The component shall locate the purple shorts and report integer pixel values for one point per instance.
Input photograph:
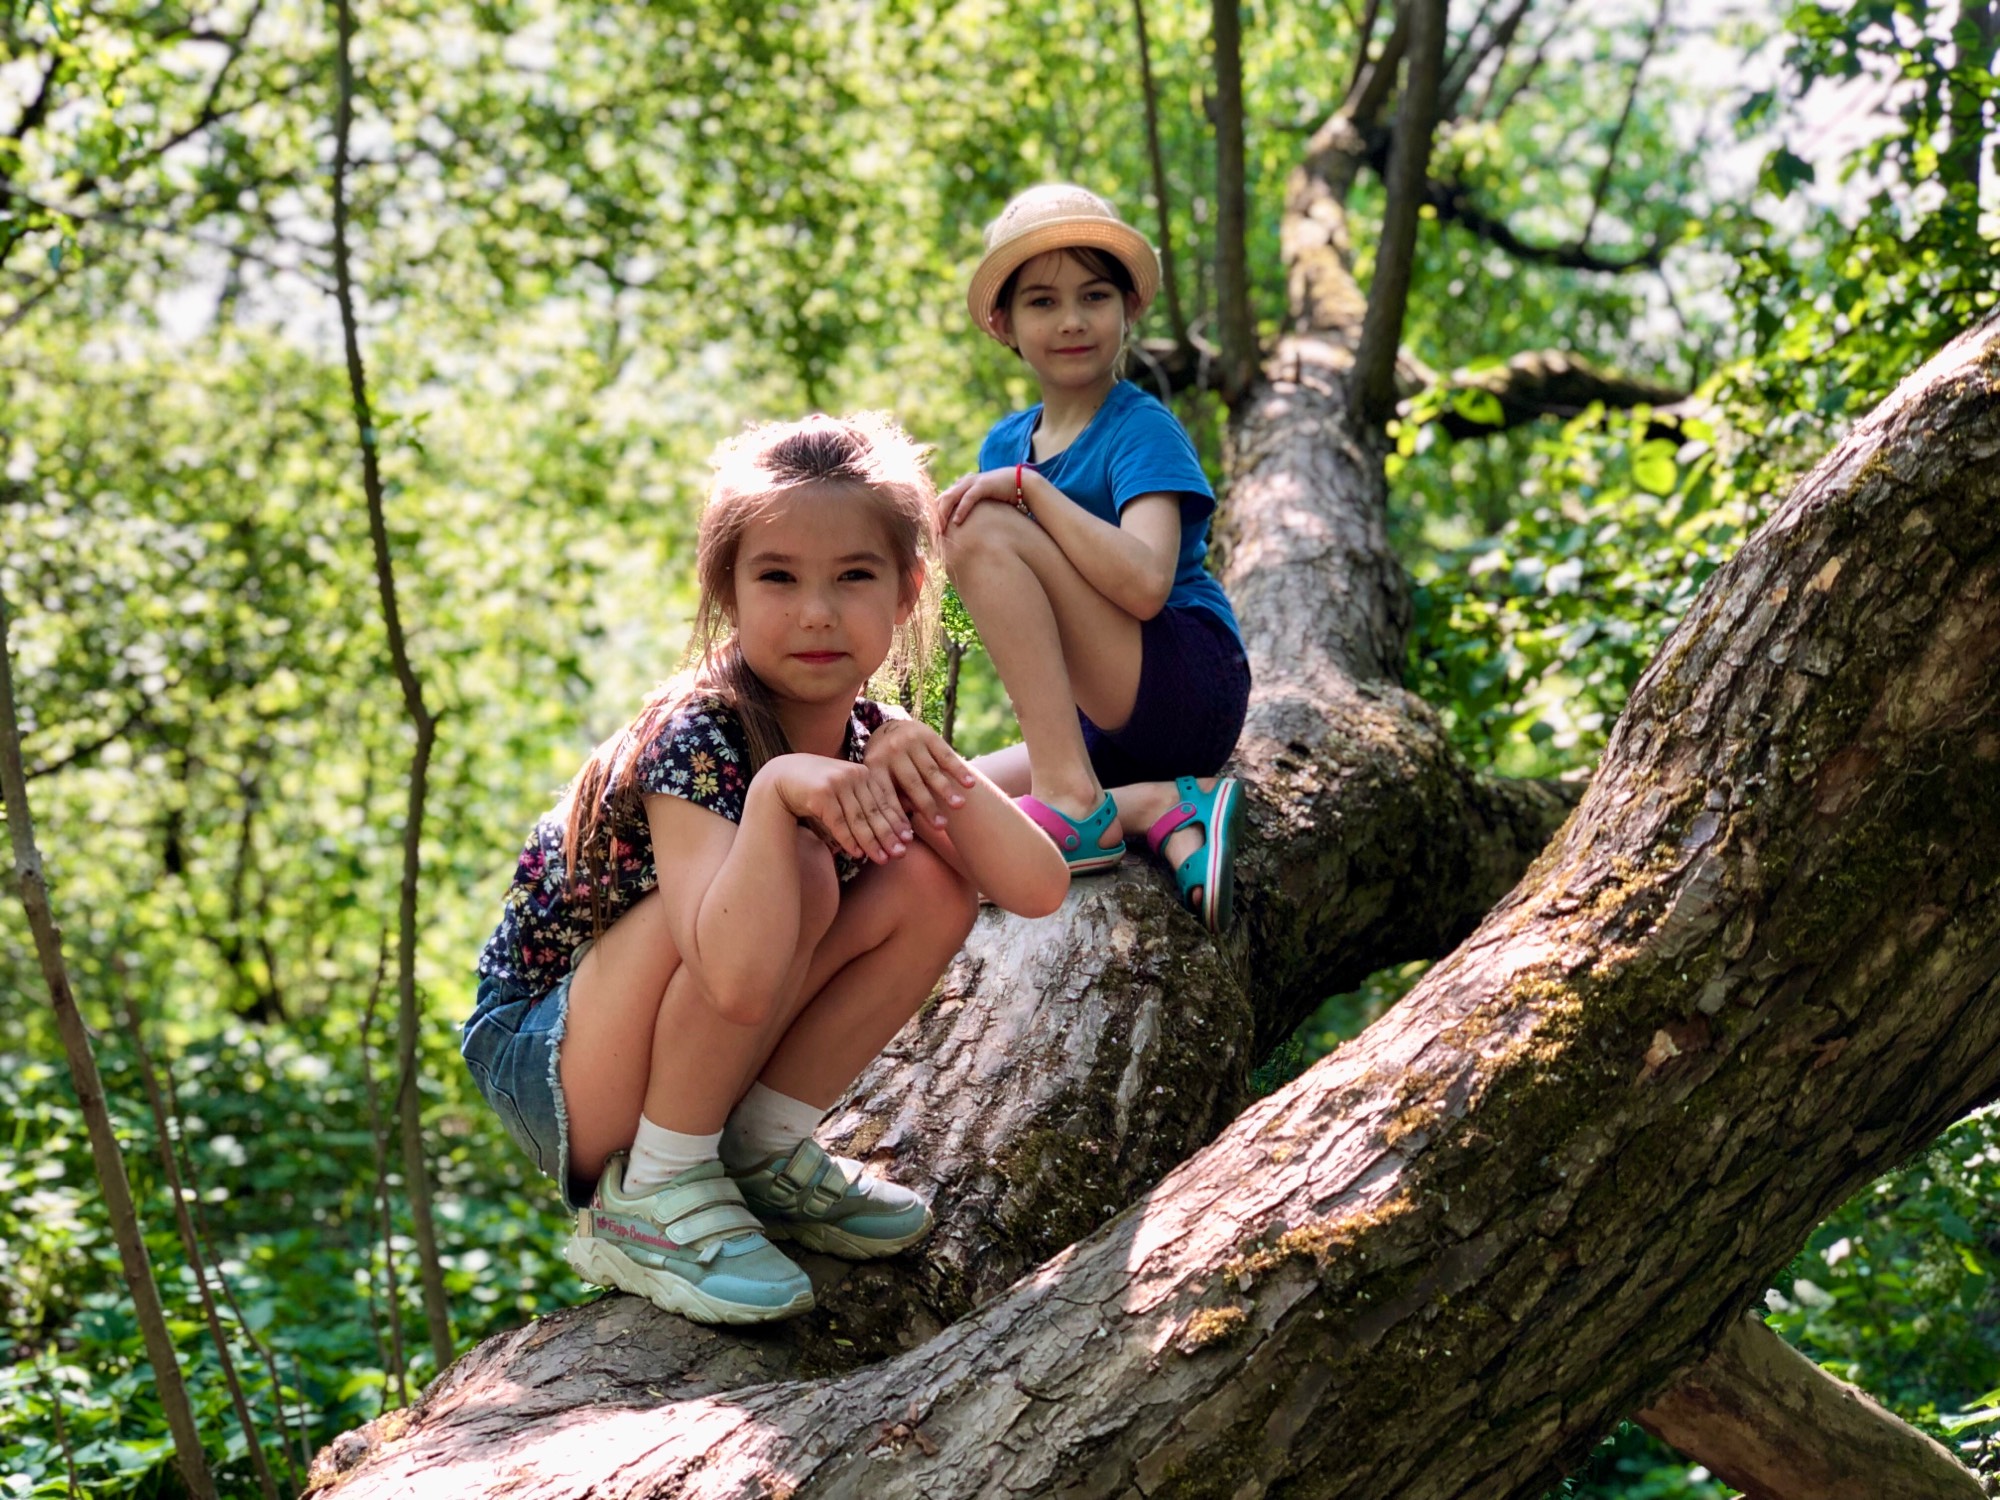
(1194, 686)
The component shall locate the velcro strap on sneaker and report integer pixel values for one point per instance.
(701, 1210)
(812, 1180)
(708, 1223)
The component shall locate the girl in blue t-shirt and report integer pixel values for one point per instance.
(1120, 652)
(744, 894)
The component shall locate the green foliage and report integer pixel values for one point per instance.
(1836, 309)
(278, 1143)
(1530, 639)
(593, 238)
(1630, 1464)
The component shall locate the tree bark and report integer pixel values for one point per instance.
(1756, 969)
(1764, 1417)
(1396, 250)
(1466, 1211)
(1238, 327)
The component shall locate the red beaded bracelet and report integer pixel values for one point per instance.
(1020, 496)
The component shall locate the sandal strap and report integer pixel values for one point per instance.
(1067, 834)
(1170, 822)
(1075, 836)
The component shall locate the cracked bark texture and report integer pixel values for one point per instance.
(1756, 968)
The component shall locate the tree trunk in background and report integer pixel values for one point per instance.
(409, 1096)
(1755, 970)
(1762, 1416)
(1237, 327)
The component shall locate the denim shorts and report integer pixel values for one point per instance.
(510, 1043)
(1194, 690)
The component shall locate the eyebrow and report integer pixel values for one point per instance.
(1050, 286)
(783, 558)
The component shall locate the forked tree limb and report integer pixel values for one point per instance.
(1455, 203)
(1532, 386)
(1768, 1420)
(1757, 967)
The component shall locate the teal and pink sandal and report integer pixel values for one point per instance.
(1078, 841)
(1211, 870)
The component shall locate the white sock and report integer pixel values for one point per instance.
(765, 1123)
(659, 1153)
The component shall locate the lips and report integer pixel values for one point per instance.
(817, 658)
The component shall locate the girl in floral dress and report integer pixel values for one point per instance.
(745, 893)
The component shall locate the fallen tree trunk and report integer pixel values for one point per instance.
(1067, 1065)
(1754, 971)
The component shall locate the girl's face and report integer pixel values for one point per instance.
(1067, 321)
(818, 595)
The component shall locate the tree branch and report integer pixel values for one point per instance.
(122, 218)
(1535, 60)
(1455, 56)
(437, 1313)
(1774, 1424)
(1364, 36)
(1395, 257)
(1454, 204)
(1372, 89)
(191, 1245)
(1168, 283)
(1618, 130)
(1548, 383)
(1237, 328)
(1458, 77)
(208, 114)
(106, 1155)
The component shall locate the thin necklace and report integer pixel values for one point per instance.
(1060, 455)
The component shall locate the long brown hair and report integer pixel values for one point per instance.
(867, 454)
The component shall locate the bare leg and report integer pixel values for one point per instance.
(869, 957)
(898, 927)
(641, 1035)
(1057, 643)
(1144, 803)
(1140, 805)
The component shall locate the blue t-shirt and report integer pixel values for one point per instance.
(1133, 446)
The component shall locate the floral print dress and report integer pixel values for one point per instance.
(701, 754)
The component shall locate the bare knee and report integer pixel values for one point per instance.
(940, 898)
(990, 532)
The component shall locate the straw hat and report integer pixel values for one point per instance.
(1057, 216)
